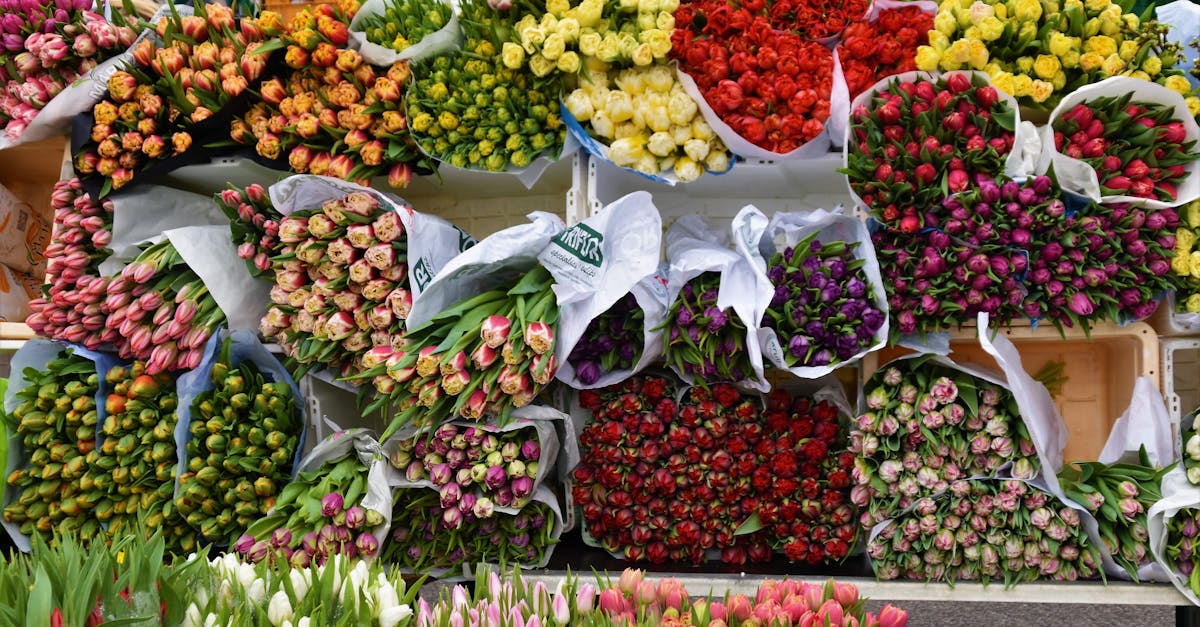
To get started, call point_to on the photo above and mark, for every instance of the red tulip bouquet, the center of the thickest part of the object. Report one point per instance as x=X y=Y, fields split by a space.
x=884 y=42
x=1094 y=152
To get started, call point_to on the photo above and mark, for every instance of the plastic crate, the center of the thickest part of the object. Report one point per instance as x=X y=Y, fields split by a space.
x=1180 y=380
x=479 y=202
x=334 y=403
x=797 y=185
x=1167 y=322
x=1100 y=372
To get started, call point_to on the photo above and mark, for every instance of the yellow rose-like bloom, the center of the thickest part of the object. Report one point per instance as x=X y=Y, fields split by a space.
x=589 y=43
x=1138 y=74
x=1180 y=264
x=1193 y=213
x=1090 y=61
x=1027 y=10
x=1022 y=85
x=654 y=113
x=718 y=159
x=681 y=108
x=977 y=54
x=632 y=82
x=645 y=21
x=945 y=23
x=568 y=28
x=588 y=12
x=659 y=78
x=1046 y=66
x=668 y=6
x=697 y=149
x=1102 y=45
x=701 y=129
x=628 y=43
x=659 y=42
x=541 y=66
x=1025 y=65
x=1091 y=28
x=512 y=55
x=603 y=125
x=1041 y=91
x=1059 y=81
x=1113 y=65
x=991 y=28
x=1095 y=6
x=686 y=169
x=1152 y=65
x=972 y=32
x=549 y=23
x=1072 y=4
x=626 y=129
x=980 y=11
x=1001 y=11
x=1128 y=50
x=1184 y=239
x=558 y=8
x=1004 y=82
x=642 y=55
x=1111 y=26
x=1194 y=263
x=1070 y=60
x=927 y=59
x=609 y=49
x=627 y=150
x=992 y=68
x=579 y=104
x=665 y=21
x=553 y=47
x=1177 y=83
x=569 y=63
x=1061 y=44
x=1193 y=105
x=938 y=41
x=1193 y=303
x=661 y=144
x=958 y=53
x=619 y=106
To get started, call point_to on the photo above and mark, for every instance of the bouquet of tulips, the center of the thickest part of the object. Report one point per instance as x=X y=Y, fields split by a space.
x=486 y=355
x=134 y=466
x=612 y=342
x=53 y=422
x=986 y=530
x=205 y=60
x=664 y=480
x=1185 y=263
x=160 y=311
x=245 y=428
x=704 y=341
x=333 y=114
x=254 y=225
x=1125 y=140
x=468 y=463
x=44 y=47
x=471 y=110
x=927 y=425
x=387 y=31
x=71 y=308
x=1118 y=496
x=882 y=43
x=431 y=533
x=130 y=130
x=338 y=504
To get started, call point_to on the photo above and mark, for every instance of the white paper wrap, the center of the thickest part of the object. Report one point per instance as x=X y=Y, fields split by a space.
x=835 y=126
x=431 y=241
x=1078 y=177
x=496 y=259
x=362 y=444
x=1145 y=423
x=786 y=230
x=448 y=38
x=596 y=263
x=544 y=420
x=1016 y=164
x=143 y=213
x=36 y=353
x=693 y=249
x=1178 y=493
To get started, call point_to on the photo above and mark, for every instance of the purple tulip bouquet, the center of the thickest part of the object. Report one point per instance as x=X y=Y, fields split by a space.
x=705 y=341
x=327 y=510
x=927 y=425
x=613 y=342
x=985 y=530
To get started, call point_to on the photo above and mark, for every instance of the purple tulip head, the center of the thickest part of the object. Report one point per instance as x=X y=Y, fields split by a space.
x=355 y=517
x=717 y=319
x=366 y=544
x=495 y=477
x=258 y=551
x=331 y=505
x=776 y=274
x=281 y=537
x=449 y=494
x=531 y=450
x=452 y=518
x=522 y=487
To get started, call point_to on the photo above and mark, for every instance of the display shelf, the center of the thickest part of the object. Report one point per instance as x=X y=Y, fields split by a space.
x=1180 y=385
x=796 y=185
x=479 y=202
x=1100 y=372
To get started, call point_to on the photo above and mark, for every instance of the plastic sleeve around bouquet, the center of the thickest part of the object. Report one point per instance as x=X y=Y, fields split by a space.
x=1078 y=177
x=1178 y=494
x=36 y=353
x=693 y=249
x=540 y=418
x=432 y=241
x=541 y=495
x=361 y=444
x=1145 y=423
x=835 y=126
x=1184 y=19
x=143 y=213
x=787 y=229
x=244 y=347
x=1024 y=135
x=447 y=39
x=597 y=262
x=495 y=260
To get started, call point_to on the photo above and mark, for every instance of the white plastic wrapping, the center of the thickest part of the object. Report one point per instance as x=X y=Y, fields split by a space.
x=693 y=249
x=786 y=230
x=1184 y=19
x=1178 y=493
x=596 y=263
x=493 y=261
x=1078 y=177
x=448 y=38
x=142 y=213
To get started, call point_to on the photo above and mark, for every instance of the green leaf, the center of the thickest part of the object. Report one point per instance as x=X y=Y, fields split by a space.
x=40 y=600
x=751 y=525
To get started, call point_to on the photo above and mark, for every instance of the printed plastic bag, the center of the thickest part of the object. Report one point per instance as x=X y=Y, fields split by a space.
x=24 y=233
x=16 y=290
x=693 y=249
x=785 y=231
x=596 y=263
x=447 y=39
x=1078 y=177
x=36 y=353
x=496 y=259
x=431 y=241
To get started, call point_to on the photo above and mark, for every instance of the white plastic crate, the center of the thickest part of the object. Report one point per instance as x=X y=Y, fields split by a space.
x=797 y=185
x=1180 y=375
x=332 y=404
x=1167 y=322
x=481 y=203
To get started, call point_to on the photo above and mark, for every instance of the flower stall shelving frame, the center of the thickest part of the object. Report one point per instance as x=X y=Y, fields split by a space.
x=579 y=186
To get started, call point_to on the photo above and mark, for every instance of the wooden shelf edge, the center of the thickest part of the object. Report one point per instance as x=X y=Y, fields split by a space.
x=1079 y=592
x=15 y=331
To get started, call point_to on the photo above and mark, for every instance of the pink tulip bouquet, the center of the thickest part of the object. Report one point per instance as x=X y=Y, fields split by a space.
x=254 y=224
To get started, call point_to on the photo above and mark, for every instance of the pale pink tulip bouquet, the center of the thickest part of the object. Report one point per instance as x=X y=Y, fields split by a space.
x=159 y=311
x=45 y=46
x=72 y=306
x=254 y=225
